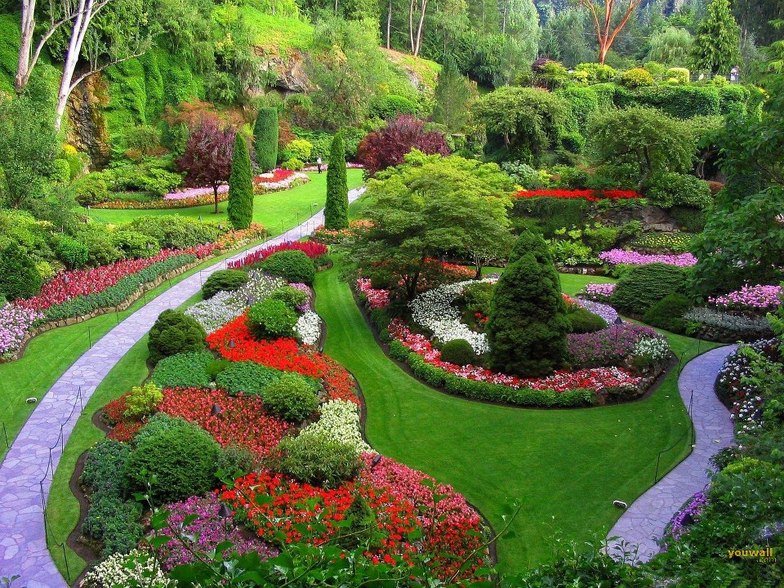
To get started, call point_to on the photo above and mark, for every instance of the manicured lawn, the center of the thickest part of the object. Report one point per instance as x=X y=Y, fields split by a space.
x=565 y=466
x=62 y=506
x=277 y=211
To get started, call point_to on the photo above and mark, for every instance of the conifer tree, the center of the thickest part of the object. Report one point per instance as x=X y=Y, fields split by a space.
x=716 y=45
x=240 y=207
x=336 y=207
x=453 y=90
x=265 y=132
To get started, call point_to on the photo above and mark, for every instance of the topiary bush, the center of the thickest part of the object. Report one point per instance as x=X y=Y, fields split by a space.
x=247 y=377
x=174 y=332
x=178 y=460
x=458 y=351
x=292 y=266
x=668 y=313
x=317 y=460
x=583 y=321
x=19 y=277
x=290 y=397
x=265 y=132
x=271 y=319
x=229 y=280
x=636 y=77
x=527 y=325
x=240 y=207
x=184 y=370
x=336 y=206
x=642 y=286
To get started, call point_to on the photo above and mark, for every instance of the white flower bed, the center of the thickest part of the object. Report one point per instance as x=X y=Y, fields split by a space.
x=655 y=349
x=434 y=311
x=308 y=327
x=135 y=568
x=339 y=422
x=212 y=314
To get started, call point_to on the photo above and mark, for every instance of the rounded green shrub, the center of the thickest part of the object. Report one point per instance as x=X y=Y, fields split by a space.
x=247 y=377
x=135 y=244
x=317 y=460
x=177 y=460
x=142 y=400
x=74 y=254
x=293 y=297
x=668 y=313
x=671 y=189
x=291 y=397
x=229 y=280
x=458 y=351
x=91 y=189
x=292 y=266
x=293 y=164
x=679 y=74
x=183 y=370
x=174 y=332
x=636 y=77
x=271 y=319
x=101 y=465
x=642 y=286
x=19 y=277
x=583 y=321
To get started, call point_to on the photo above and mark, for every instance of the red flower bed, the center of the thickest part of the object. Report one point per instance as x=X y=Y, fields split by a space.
x=338 y=383
x=242 y=420
x=278 y=175
x=596 y=379
x=70 y=284
x=590 y=195
x=234 y=342
x=309 y=248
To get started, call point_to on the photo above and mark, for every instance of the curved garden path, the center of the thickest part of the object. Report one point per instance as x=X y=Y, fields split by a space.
x=26 y=473
x=643 y=523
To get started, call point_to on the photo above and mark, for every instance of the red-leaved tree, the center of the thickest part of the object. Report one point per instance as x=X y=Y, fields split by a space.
x=207 y=157
x=387 y=147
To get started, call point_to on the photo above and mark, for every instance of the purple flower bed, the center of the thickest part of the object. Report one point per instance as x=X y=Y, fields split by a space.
x=610 y=346
x=607 y=312
x=306 y=289
x=15 y=322
x=599 y=291
x=621 y=256
x=206 y=532
x=687 y=515
x=758 y=298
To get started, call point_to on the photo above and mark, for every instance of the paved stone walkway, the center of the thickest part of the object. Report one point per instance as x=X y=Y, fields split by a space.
x=26 y=473
x=644 y=521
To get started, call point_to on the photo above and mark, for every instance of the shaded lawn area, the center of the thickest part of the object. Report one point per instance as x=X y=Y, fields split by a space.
x=277 y=211
x=565 y=466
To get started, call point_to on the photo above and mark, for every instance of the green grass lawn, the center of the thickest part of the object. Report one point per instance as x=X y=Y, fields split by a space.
x=565 y=466
x=277 y=211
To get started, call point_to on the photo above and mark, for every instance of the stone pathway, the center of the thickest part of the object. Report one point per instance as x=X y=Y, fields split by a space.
x=26 y=473
x=644 y=521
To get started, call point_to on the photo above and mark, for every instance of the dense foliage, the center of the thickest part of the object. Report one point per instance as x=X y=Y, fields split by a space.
x=174 y=332
x=336 y=206
x=240 y=209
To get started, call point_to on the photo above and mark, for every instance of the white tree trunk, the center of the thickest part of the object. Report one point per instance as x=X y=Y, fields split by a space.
x=420 y=27
x=389 y=24
x=86 y=10
x=27 y=29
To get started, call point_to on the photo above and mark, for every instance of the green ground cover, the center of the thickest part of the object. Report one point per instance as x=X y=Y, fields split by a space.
x=565 y=466
x=277 y=211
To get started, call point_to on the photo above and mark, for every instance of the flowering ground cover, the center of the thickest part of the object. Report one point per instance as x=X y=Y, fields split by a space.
x=590 y=195
x=309 y=248
x=622 y=256
x=758 y=299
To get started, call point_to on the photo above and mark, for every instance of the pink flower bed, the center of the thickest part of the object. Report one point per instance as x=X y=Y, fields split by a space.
x=621 y=256
x=599 y=291
x=193 y=193
x=596 y=379
x=755 y=298
x=376 y=297
x=70 y=284
x=309 y=248
x=15 y=321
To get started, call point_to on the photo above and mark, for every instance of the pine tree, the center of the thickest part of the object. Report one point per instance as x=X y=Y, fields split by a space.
x=266 y=133
x=240 y=186
x=453 y=90
x=336 y=208
x=527 y=325
x=716 y=45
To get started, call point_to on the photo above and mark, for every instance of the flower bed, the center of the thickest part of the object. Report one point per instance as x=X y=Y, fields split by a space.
x=275 y=176
x=624 y=257
x=590 y=195
x=339 y=422
x=726 y=327
x=241 y=421
x=758 y=299
x=376 y=297
x=15 y=323
x=686 y=516
x=599 y=291
x=309 y=248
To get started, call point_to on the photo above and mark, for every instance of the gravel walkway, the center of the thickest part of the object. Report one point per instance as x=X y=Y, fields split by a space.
x=644 y=521
x=26 y=473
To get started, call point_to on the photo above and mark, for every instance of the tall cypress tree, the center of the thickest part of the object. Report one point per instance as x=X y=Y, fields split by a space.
x=716 y=45
x=527 y=326
x=336 y=208
x=240 y=186
x=453 y=90
x=266 y=133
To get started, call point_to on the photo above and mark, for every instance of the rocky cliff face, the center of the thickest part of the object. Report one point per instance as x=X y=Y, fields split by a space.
x=288 y=74
x=87 y=128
